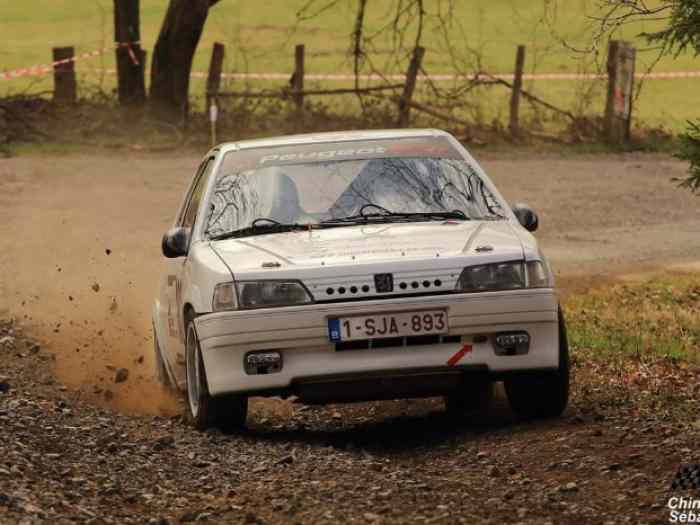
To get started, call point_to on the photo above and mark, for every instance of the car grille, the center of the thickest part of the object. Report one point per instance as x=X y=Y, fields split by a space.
x=434 y=285
x=365 y=287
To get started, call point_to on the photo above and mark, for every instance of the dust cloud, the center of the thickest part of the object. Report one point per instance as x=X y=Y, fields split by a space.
x=80 y=262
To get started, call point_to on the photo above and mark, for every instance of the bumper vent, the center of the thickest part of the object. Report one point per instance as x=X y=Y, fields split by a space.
x=394 y=342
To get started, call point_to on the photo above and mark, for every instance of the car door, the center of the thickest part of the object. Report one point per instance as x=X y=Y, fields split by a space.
x=172 y=285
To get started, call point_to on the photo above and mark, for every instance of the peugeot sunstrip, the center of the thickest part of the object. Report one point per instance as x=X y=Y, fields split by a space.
x=355 y=266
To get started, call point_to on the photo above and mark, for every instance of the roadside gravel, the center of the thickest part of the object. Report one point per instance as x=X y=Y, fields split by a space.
x=610 y=459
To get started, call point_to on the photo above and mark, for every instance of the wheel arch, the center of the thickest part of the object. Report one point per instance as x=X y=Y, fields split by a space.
x=188 y=313
x=158 y=346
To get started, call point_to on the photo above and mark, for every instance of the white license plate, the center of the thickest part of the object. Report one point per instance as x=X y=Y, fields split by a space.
x=378 y=326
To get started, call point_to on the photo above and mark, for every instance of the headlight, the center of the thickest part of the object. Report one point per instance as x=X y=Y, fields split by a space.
x=504 y=276
x=489 y=277
x=224 y=297
x=259 y=294
x=539 y=275
x=263 y=294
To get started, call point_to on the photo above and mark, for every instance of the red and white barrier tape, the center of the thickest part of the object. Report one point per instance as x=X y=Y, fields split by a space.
x=342 y=77
x=43 y=69
x=434 y=78
x=128 y=46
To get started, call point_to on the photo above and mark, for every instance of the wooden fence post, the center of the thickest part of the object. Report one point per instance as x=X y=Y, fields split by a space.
x=65 y=89
x=216 y=66
x=131 y=60
x=618 y=107
x=409 y=86
x=297 y=79
x=514 y=124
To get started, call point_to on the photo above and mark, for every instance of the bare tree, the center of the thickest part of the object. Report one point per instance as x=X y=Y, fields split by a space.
x=403 y=24
x=172 y=57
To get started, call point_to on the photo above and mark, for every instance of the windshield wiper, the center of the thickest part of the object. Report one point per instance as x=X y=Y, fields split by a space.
x=399 y=216
x=265 y=226
x=261 y=226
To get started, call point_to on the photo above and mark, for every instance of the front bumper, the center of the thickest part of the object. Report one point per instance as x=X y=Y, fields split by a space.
x=300 y=334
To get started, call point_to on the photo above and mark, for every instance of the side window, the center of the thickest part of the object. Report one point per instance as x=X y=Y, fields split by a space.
x=196 y=196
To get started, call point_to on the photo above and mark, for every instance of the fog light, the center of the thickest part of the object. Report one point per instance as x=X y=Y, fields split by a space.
x=256 y=363
x=512 y=343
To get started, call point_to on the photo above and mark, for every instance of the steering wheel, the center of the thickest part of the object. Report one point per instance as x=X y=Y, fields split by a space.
x=377 y=206
x=259 y=220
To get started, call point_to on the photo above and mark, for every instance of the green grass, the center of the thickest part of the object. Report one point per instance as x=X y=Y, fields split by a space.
x=260 y=36
x=638 y=345
x=657 y=318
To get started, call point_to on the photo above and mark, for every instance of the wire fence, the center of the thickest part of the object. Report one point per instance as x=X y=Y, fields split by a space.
x=397 y=88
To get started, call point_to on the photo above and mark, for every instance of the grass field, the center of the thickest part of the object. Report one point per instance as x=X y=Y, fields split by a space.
x=654 y=318
x=260 y=36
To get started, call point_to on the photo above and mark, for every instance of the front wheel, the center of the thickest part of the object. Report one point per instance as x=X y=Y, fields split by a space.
x=227 y=412
x=542 y=395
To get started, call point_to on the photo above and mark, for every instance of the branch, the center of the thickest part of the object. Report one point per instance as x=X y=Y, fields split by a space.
x=435 y=113
x=285 y=93
x=531 y=97
x=11 y=113
x=421 y=17
x=616 y=13
x=357 y=51
x=304 y=13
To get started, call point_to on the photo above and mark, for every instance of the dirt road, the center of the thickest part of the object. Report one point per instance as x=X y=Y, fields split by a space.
x=610 y=459
x=80 y=245
x=79 y=255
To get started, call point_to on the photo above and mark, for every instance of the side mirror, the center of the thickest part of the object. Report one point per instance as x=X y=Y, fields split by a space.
x=175 y=242
x=526 y=217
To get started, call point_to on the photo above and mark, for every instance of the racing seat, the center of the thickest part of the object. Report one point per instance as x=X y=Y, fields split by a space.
x=285 y=205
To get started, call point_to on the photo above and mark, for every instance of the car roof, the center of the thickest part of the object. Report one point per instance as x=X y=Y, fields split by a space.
x=329 y=137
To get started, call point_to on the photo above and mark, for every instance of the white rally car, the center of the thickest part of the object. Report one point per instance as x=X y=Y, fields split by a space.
x=355 y=266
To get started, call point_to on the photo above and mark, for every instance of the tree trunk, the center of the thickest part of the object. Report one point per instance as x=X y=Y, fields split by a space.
x=130 y=56
x=172 y=58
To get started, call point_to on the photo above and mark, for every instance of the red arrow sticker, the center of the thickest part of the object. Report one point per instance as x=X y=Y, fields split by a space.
x=452 y=361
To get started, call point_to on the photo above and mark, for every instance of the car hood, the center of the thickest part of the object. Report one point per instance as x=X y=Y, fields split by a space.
x=372 y=243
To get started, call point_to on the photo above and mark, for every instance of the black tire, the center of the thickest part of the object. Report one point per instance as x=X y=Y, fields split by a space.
x=542 y=395
x=227 y=412
x=474 y=397
x=162 y=375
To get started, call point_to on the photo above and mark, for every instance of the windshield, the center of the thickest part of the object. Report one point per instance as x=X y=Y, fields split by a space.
x=291 y=191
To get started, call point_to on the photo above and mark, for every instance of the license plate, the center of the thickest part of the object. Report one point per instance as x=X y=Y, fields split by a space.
x=378 y=326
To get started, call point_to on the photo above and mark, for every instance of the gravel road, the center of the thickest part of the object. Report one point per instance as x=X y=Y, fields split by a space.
x=609 y=460
x=80 y=252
